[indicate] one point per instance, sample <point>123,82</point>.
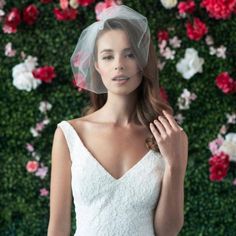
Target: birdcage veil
<point>85,53</point>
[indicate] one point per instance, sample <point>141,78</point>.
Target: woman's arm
<point>169,215</point>
<point>60,187</point>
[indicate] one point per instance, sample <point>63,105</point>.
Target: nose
<point>119,63</point>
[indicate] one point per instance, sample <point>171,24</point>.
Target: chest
<point>116,150</point>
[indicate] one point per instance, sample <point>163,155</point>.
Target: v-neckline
<point>129,171</point>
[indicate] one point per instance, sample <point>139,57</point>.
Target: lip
<point>121,75</point>
<point>120,82</point>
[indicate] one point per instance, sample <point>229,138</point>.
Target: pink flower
<point>215,145</point>
<point>224,82</point>
<point>45,74</point>
<point>29,147</point>
<point>196,30</point>
<point>64,4</point>
<point>32,166</point>
<point>12,20</point>
<point>42,172</point>
<point>219,9</point>
<point>100,6</point>
<point>43,192</point>
<point>186,7</point>
<point>39,126</point>
<point>30,14</point>
<point>9,52</point>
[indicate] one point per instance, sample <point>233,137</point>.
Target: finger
<point>171,120</point>
<point>155,132</point>
<point>165,123</point>
<point>160,128</point>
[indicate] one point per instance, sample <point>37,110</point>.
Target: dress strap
<point>74,144</point>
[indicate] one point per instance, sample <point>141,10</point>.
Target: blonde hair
<point>149,105</point>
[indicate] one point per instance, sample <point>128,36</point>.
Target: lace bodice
<point>106,206</point>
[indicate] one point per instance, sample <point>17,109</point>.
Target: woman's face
<point>115,58</point>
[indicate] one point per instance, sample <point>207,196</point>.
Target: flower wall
<point>195,43</point>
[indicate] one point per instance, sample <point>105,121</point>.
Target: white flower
<point>209,40</point>
<point>31,63</point>
<point>23,78</point>
<point>190,64</point>
<point>220,51</point>
<point>229,146</point>
<point>185,98</point>
<point>231,118</point>
<point>26,81</point>
<point>212,50</point>
<point>45,106</point>
<point>168,4</point>
<point>74,4</point>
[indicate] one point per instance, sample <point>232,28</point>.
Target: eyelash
<point>130,55</point>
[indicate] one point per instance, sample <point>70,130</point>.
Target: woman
<point>125,171</point>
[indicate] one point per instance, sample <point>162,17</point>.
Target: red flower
<point>196,30</point>
<point>85,3</point>
<point>224,82</point>
<point>186,7</point>
<point>30,14</point>
<point>219,9</point>
<point>219,165</point>
<point>66,14</point>
<point>32,166</point>
<point>217,172</point>
<point>12,20</point>
<point>46,73</point>
<point>163,94</point>
<point>162,35</point>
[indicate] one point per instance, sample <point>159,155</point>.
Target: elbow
<point>57,231</point>
<point>170,231</point>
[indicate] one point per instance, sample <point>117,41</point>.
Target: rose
<point>30,14</point>
<point>32,166</point>
<point>186,7</point>
<point>219,9</point>
<point>196,30</point>
<point>12,20</point>
<point>66,14</point>
<point>45,74</point>
<point>224,82</point>
<point>190,64</point>
<point>23,78</point>
<point>162,35</point>
<point>219,165</point>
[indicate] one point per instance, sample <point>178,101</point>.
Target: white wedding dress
<point>106,206</point>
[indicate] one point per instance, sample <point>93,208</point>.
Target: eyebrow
<point>110,50</point>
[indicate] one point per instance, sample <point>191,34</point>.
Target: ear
<point>96,67</point>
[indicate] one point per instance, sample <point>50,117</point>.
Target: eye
<point>105,58</point>
<point>131,55</point>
